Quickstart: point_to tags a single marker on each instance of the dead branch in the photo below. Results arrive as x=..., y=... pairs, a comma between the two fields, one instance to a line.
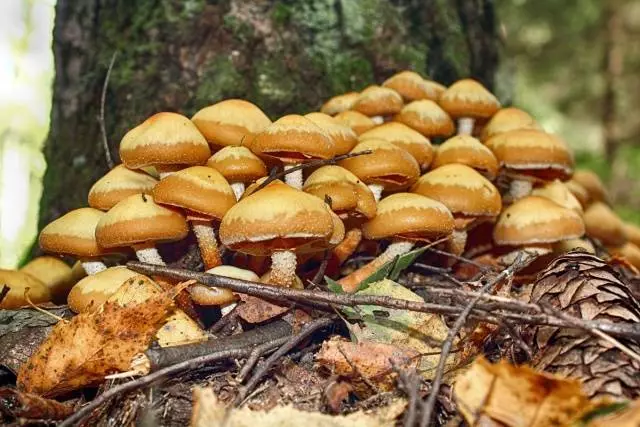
x=103, y=98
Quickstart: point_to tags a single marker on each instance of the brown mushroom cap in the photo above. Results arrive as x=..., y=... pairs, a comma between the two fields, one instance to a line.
x=278, y=217
x=53, y=273
x=164, y=139
x=339, y=103
x=294, y=139
x=468, y=98
x=411, y=86
x=138, y=220
x=508, y=119
x=348, y=194
x=238, y=164
x=603, y=224
x=199, y=189
x=342, y=135
x=532, y=153
x=117, y=184
x=378, y=101
x=231, y=121
x=591, y=182
x=534, y=220
x=558, y=192
x=467, y=150
x=18, y=281
x=633, y=233
x=92, y=291
x=388, y=165
x=404, y=137
x=358, y=122
x=426, y=117
x=411, y=217
x=73, y=234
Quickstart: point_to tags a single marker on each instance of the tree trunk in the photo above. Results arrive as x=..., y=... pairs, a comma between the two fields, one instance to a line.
x=285, y=56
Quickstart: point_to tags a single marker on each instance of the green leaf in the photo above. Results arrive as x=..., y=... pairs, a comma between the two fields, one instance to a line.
x=379, y=274
x=601, y=411
x=404, y=261
x=333, y=285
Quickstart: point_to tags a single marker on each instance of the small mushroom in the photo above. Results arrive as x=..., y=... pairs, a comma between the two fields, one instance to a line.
x=54, y=273
x=378, y=102
x=339, y=103
x=467, y=100
x=406, y=138
x=633, y=233
x=342, y=135
x=21, y=284
x=604, y=225
x=119, y=183
x=411, y=86
x=467, y=150
x=231, y=272
x=592, y=183
x=508, y=119
x=239, y=166
x=426, y=117
x=579, y=192
x=630, y=252
x=358, y=122
x=92, y=291
x=558, y=192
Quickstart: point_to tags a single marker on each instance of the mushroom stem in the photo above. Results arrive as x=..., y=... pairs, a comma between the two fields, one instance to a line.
x=294, y=179
x=457, y=242
x=351, y=282
x=378, y=120
x=283, y=268
x=238, y=189
x=377, y=190
x=207, y=242
x=92, y=267
x=465, y=125
x=148, y=253
x=205, y=295
x=520, y=188
x=348, y=246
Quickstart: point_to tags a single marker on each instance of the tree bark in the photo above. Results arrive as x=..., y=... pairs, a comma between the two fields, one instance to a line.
x=285, y=56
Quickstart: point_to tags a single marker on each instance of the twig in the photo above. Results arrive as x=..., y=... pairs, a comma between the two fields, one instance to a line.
x=4, y=292
x=483, y=268
x=103, y=98
x=256, y=353
x=317, y=278
x=35, y=307
x=517, y=338
x=409, y=381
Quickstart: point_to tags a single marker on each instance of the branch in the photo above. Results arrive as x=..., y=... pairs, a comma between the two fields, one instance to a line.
x=103, y=98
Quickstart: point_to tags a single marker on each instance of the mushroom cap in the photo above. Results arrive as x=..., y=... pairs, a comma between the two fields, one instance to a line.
x=467, y=150
x=633, y=233
x=18, y=281
x=73, y=234
x=603, y=224
x=339, y=103
x=630, y=252
x=466, y=193
x=409, y=216
x=469, y=98
x=342, y=135
x=118, y=184
x=558, y=192
x=508, y=119
x=294, y=139
x=388, y=165
x=532, y=153
x=534, y=220
x=426, y=117
x=238, y=164
x=137, y=220
x=411, y=86
x=92, y=291
x=358, y=122
x=378, y=101
x=278, y=217
x=234, y=273
x=199, y=189
x=231, y=121
x=579, y=192
x=404, y=137
x=591, y=182
x=52, y=272
x=164, y=139
x=348, y=194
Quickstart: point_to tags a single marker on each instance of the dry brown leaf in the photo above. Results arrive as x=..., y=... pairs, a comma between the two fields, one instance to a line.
x=517, y=396
x=15, y=404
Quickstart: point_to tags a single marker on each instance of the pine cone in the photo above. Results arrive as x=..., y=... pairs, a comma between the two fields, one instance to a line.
x=584, y=286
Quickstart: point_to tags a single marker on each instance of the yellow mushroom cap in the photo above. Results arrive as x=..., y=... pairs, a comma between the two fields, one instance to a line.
x=342, y=135
x=579, y=192
x=533, y=220
x=348, y=194
x=467, y=150
x=603, y=224
x=426, y=117
x=294, y=139
x=592, y=183
x=18, y=281
x=138, y=220
x=234, y=273
x=231, y=121
x=53, y=273
x=358, y=122
x=73, y=234
x=469, y=98
x=532, y=153
x=411, y=86
x=633, y=233
x=164, y=139
x=117, y=184
x=378, y=101
x=339, y=103
x=278, y=217
x=92, y=291
x=238, y=164
x=199, y=189
x=508, y=119
x=558, y=192
x=388, y=165
x=409, y=216
x=404, y=137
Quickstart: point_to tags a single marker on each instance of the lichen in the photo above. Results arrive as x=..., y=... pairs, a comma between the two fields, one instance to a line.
x=219, y=80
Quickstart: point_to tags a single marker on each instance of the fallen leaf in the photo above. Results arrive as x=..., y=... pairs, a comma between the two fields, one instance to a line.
x=15, y=404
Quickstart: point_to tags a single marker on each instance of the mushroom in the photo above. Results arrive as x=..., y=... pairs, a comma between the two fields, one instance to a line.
x=633, y=233
x=592, y=183
x=239, y=166
x=467, y=100
x=579, y=192
x=426, y=117
x=339, y=103
x=280, y=221
x=411, y=86
x=226, y=271
x=471, y=198
x=54, y=273
x=74, y=234
x=92, y=291
x=168, y=141
x=387, y=168
x=378, y=102
x=467, y=150
x=630, y=252
x=294, y=139
x=558, y=192
x=404, y=137
x=358, y=122
x=342, y=135
x=508, y=119
x=528, y=156
x=117, y=184
x=565, y=246
x=22, y=286
x=230, y=122
x=604, y=225
x=404, y=218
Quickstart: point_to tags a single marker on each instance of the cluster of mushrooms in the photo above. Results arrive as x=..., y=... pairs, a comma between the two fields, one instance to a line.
x=495, y=183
